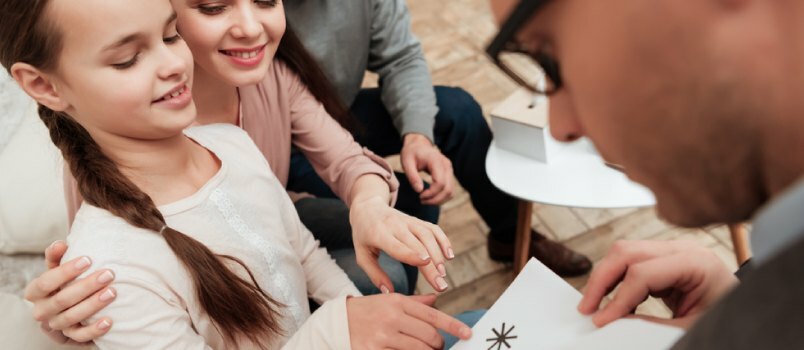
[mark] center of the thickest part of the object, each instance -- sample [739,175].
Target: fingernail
[82,263]
[52,245]
[466,332]
[450,254]
[425,257]
[105,277]
[107,295]
[442,270]
[104,324]
[384,289]
[442,284]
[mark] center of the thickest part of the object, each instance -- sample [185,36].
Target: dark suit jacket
[766,311]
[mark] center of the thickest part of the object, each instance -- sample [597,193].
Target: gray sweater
[766,311]
[348,37]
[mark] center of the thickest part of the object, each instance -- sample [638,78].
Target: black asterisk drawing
[501,338]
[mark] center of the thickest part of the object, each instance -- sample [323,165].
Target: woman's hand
[377,226]
[688,277]
[394,321]
[60,305]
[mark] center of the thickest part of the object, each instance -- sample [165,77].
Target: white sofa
[32,212]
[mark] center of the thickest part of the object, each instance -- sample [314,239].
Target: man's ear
[39,86]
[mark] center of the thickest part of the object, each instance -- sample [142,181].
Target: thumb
[426,299]
[412,172]
[371,265]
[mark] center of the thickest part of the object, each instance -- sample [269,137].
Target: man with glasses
[699,101]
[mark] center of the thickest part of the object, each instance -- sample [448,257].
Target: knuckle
[77,334]
[394,318]
[39,315]
[67,321]
[431,316]
[29,295]
[386,220]
[620,247]
[383,338]
[636,273]
[397,299]
[41,285]
[361,259]
[429,273]
[434,338]
[61,301]
[57,337]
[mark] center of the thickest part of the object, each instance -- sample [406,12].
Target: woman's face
[232,40]
[123,70]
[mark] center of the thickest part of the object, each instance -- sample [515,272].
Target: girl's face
[123,70]
[233,40]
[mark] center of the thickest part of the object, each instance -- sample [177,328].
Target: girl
[198,262]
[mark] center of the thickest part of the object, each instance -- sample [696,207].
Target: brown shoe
[560,259]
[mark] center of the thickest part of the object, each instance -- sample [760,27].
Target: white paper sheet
[542,310]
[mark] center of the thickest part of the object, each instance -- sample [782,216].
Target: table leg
[522,243]
[739,237]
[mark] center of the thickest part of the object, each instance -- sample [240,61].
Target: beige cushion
[18,330]
[32,208]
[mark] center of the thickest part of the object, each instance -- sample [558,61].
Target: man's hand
[60,305]
[393,321]
[418,154]
[688,277]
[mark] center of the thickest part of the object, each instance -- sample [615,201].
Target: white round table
[574,176]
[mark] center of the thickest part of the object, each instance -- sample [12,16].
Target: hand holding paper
[688,278]
[539,312]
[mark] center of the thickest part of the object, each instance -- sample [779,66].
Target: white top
[243,211]
[574,176]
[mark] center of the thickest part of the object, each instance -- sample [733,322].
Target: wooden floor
[453,34]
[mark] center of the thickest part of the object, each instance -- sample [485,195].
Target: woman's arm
[378,226]
[366,183]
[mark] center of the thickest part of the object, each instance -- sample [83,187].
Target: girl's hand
[394,321]
[376,226]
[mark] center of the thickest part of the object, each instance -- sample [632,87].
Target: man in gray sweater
[439,130]
[700,101]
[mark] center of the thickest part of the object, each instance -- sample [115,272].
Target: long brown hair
[237,306]
[295,55]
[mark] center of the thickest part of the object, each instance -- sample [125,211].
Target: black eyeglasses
[517,60]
